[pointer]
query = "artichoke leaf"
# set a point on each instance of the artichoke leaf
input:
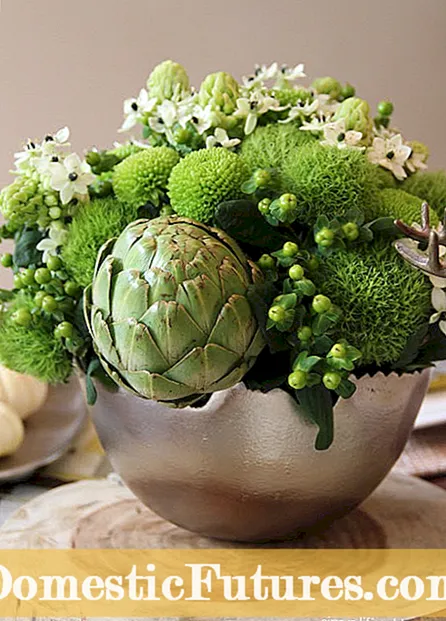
(163, 285)
(154, 386)
(130, 294)
(203, 366)
(141, 255)
(104, 251)
(173, 329)
(128, 238)
(103, 338)
(235, 326)
(101, 289)
(232, 280)
(202, 299)
(136, 347)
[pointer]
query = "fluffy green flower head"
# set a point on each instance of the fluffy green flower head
(331, 181)
(143, 176)
(33, 350)
(203, 179)
(430, 187)
(125, 150)
(383, 299)
(93, 224)
(419, 148)
(168, 80)
(269, 146)
(290, 96)
(221, 91)
(327, 86)
(356, 114)
(385, 178)
(25, 203)
(403, 206)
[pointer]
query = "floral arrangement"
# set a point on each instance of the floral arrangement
(263, 232)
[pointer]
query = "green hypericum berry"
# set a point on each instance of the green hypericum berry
(304, 334)
(266, 262)
(54, 263)
(42, 275)
(38, 298)
(263, 205)
(297, 380)
(324, 237)
(321, 304)
(28, 276)
(288, 202)
(18, 283)
(22, 317)
(351, 231)
(313, 263)
(338, 351)
(55, 213)
(49, 304)
(276, 313)
(64, 330)
(385, 108)
(331, 380)
(7, 260)
(348, 91)
(262, 178)
(290, 249)
(71, 288)
(296, 272)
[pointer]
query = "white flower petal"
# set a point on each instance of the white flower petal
(438, 298)
(251, 122)
(442, 326)
(438, 282)
(67, 193)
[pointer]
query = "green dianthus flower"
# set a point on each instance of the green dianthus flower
(168, 80)
(403, 206)
(142, 177)
(33, 349)
(290, 96)
(383, 299)
(93, 224)
(430, 187)
(331, 181)
(221, 91)
(203, 179)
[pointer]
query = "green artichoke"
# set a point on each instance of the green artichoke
(168, 310)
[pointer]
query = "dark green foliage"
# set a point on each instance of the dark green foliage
(33, 350)
(331, 181)
(384, 300)
(429, 186)
(93, 224)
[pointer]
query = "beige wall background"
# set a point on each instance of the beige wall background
(74, 61)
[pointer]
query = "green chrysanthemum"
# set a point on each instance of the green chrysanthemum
(168, 80)
(402, 205)
(331, 181)
(220, 90)
(25, 203)
(33, 350)
(383, 299)
(142, 177)
(430, 187)
(125, 150)
(271, 145)
(203, 179)
(93, 224)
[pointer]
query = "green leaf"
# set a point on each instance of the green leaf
(25, 251)
(317, 405)
(384, 225)
(260, 298)
(412, 349)
(92, 393)
(243, 222)
(340, 364)
(283, 260)
(322, 222)
(304, 362)
(320, 324)
(6, 295)
(249, 187)
(354, 215)
(287, 301)
(346, 389)
(322, 344)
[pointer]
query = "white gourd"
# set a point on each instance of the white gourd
(12, 431)
(23, 393)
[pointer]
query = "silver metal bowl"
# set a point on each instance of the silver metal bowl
(244, 467)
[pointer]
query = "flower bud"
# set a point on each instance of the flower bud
(168, 80)
(356, 114)
(221, 91)
(327, 86)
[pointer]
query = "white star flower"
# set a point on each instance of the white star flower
(71, 178)
(390, 153)
(221, 137)
(302, 110)
(439, 303)
(165, 117)
(289, 74)
(134, 108)
(56, 237)
(416, 161)
(315, 124)
(335, 135)
(251, 108)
